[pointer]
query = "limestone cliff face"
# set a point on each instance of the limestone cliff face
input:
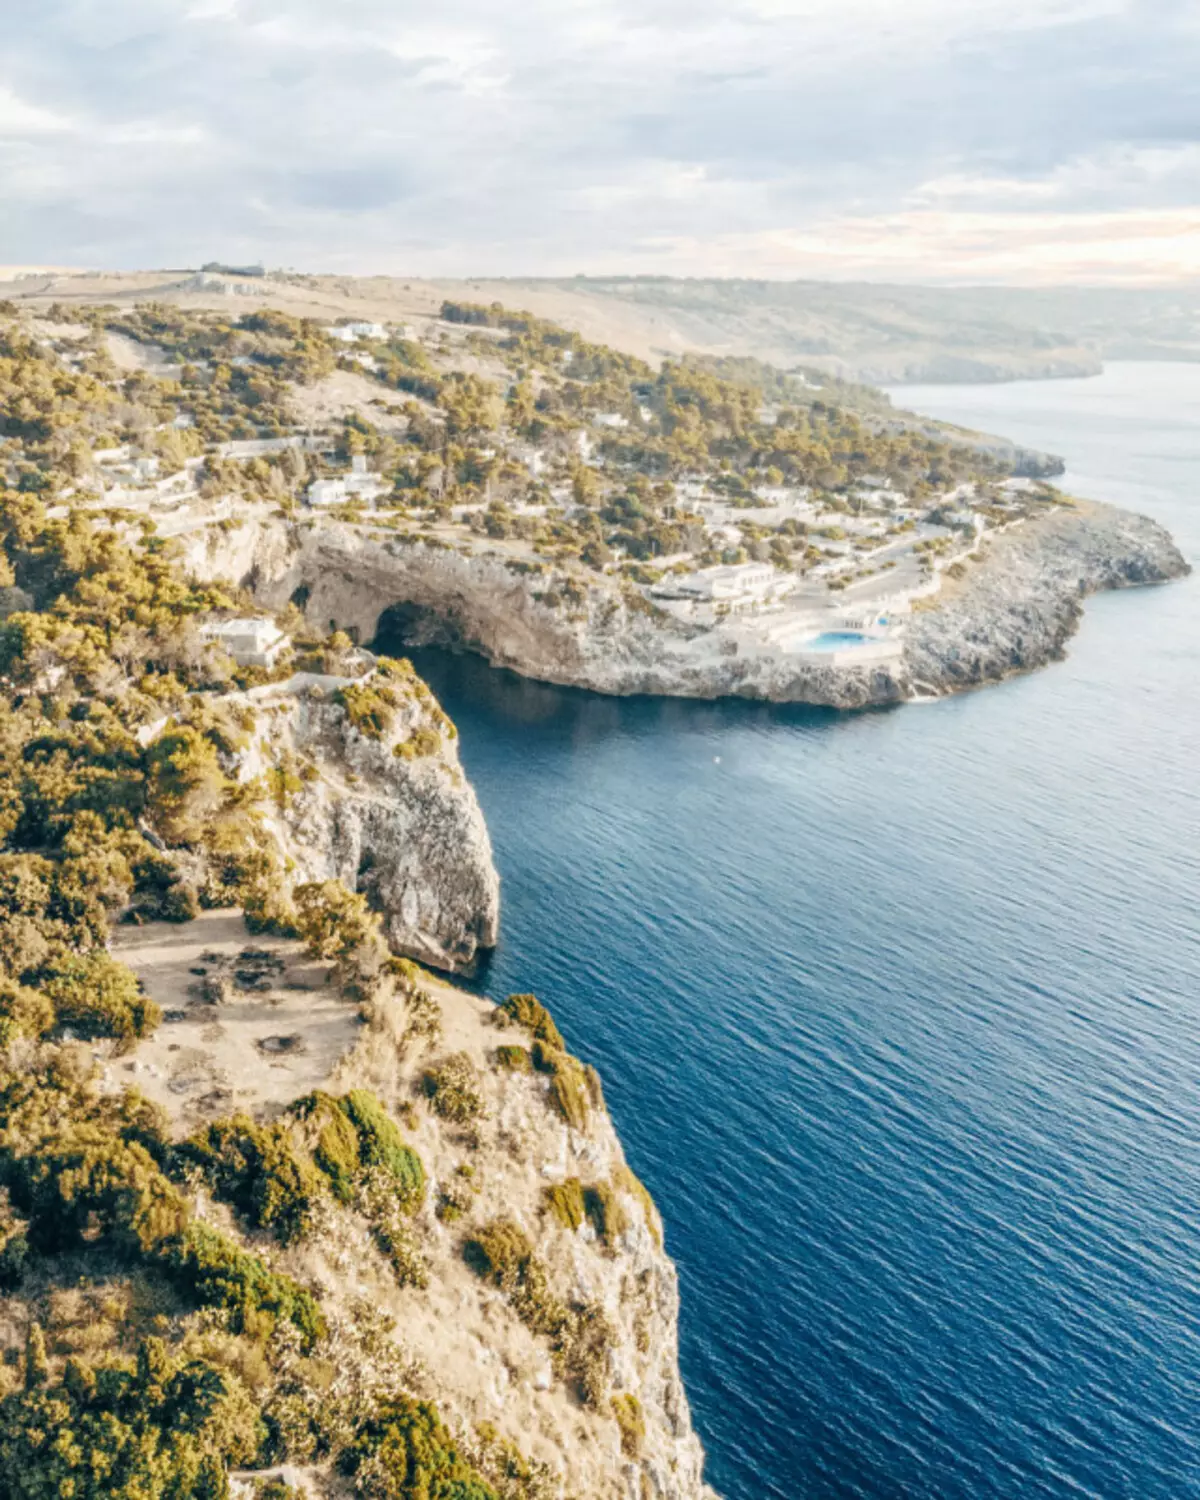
(483, 1359)
(1014, 612)
(403, 826)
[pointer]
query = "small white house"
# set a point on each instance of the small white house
(327, 492)
(351, 333)
(251, 642)
(612, 419)
(358, 484)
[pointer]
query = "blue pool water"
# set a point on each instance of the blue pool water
(835, 640)
(899, 1018)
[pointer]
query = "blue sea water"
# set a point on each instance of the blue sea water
(899, 1018)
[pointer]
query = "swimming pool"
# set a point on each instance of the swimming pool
(836, 640)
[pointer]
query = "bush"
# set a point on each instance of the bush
(258, 1170)
(214, 1272)
(405, 1453)
(334, 1141)
(565, 1200)
(514, 1059)
(23, 1012)
(568, 1086)
(388, 1216)
(602, 1205)
(96, 996)
(453, 1089)
(179, 903)
(161, 1430)
(380, 1144)
(628, 1412)
(528, 1011)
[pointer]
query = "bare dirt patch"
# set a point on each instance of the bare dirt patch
(329, 400)
(249, 1022)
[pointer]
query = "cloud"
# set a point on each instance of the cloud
(1135, 248)
(603, 134)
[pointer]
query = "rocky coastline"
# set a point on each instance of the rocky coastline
(1012, 611)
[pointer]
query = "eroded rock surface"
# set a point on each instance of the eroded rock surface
(394, 817)
(1014, 610)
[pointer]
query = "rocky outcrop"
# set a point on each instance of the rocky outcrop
(393, 817)
(1014, 611)
(1017, 609)
(484, 1354)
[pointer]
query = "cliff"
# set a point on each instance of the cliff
(1018, 608)
(1015, 610)
(391, 815)
(522, 1287)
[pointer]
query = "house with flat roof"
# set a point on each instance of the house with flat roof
(350, 333)
(252, 642)
(358, 484)
(729, 589)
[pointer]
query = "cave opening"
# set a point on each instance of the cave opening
(406, 627)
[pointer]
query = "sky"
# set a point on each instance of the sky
(1023, 141)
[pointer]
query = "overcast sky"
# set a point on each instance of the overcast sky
(1017, 140)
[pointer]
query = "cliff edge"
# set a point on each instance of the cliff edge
(1010, 607)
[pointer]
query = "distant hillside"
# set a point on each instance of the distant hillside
(858, 332)
(882, 334)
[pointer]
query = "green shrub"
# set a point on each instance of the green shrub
(335, 1146)
(389, 1218)
(514, 1059)
(602, 1204)
(569, 1090)
(380, 1143)
(258, 1169)
(96, 996)
(23, 1012)
(424, 740)
(453, 1089)
(628, 1412)
(179, 903)
(528, 1011)
(405, 1453)
(565, 1200)
(163, 1430)
(214, 1272)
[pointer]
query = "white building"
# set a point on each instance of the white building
(731, 589)
(351, 333)
(358, 484)
(612, 419)
(251, 642)
(327, 492)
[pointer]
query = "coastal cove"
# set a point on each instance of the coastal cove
(897, 1017)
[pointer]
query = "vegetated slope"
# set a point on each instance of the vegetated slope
(196, 1301)
(880, 333)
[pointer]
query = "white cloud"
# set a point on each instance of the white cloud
(537, 136)
(19, 118)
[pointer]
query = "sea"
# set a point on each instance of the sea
(898, 1015)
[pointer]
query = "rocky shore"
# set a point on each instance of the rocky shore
(1018, 609)
(1012, 611)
